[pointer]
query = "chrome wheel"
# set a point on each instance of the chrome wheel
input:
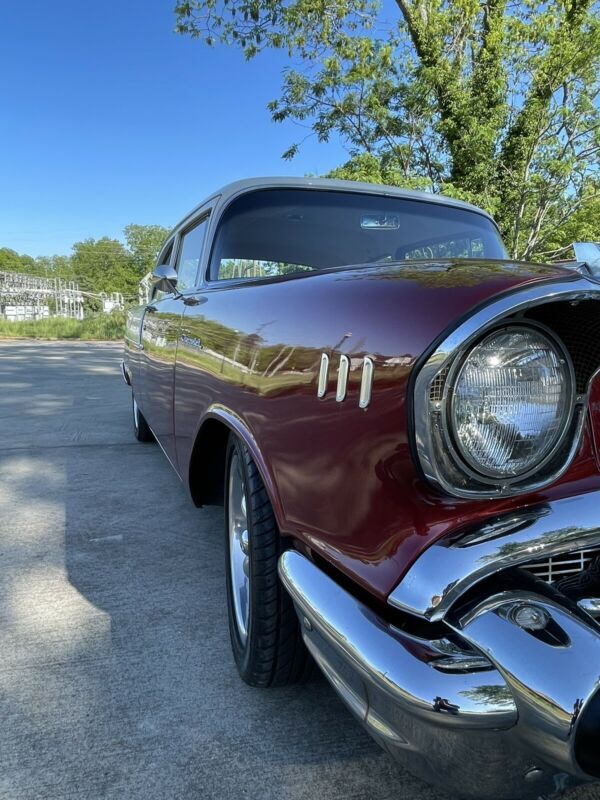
(239, 548)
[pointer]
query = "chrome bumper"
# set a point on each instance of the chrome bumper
(504, 726)
(451, 567)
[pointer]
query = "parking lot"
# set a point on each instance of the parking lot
(116, 679)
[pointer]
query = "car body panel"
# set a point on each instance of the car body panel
(251, 353)
(247, 352)
(159, 337)
(420, 603)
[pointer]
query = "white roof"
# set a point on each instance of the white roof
(226, 193)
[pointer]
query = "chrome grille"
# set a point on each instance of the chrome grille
(557, 567)
(436, 391)
(578, 326)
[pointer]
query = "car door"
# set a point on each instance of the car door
(160, 334)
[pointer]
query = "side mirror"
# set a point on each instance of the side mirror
(589, 252)
(164, 278)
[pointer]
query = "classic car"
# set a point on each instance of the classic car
(403, 426)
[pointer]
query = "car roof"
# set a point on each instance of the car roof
(230, 190)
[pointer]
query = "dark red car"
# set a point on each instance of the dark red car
(404, 428)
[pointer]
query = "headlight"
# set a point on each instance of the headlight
(511, 402)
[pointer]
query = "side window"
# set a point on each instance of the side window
(146, 289)
(189, 255)
(254, 268)
(166, 255)
(460, 247)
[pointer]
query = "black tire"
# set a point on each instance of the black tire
(141, 431)
(271, 653)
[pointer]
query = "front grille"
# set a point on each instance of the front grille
(436, 392)
(557, 567)
(578, 326)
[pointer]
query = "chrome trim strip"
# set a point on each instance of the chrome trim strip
(366, 384)
(133, 343)
(385, 659)
(447, 569)
(591, 606)
(323, 375)
(576, 287)
(125, 373)
(342, 381)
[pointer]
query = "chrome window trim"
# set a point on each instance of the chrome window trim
(448, 569)
(455, 346)
(203, 216)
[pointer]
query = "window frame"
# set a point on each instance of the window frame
(203, 216)
(222, 208)
(168, 246)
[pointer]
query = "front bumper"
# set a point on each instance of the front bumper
(512, 716)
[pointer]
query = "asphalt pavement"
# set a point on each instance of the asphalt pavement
(116, 679)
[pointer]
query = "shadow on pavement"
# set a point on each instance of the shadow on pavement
(117, 679)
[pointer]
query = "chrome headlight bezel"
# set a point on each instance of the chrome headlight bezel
(436, 462)
(451, 437)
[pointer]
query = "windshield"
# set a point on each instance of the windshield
(282, 231)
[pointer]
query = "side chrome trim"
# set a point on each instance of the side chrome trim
(366, 384)
(323, 375)
(125, 373)
(342, 381)
(135, 345)
(447, 569)
(576, 287)
(591, 606)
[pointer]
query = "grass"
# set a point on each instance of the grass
(101, 326)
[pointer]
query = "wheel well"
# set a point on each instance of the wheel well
(207, 464)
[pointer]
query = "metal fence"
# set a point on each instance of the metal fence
(25, 297)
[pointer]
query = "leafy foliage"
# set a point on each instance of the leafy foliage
(97, 265)
(100, 327)
(488, 101)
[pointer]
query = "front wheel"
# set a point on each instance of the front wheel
(264, 629)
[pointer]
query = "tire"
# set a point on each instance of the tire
(141, 431)
(264, 629)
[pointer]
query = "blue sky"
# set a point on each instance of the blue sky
(108, 117)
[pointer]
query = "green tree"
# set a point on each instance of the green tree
(11, 261)
(97, 265)
(54, 267)
(103, 265)
(144, 242)
(488, 101)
